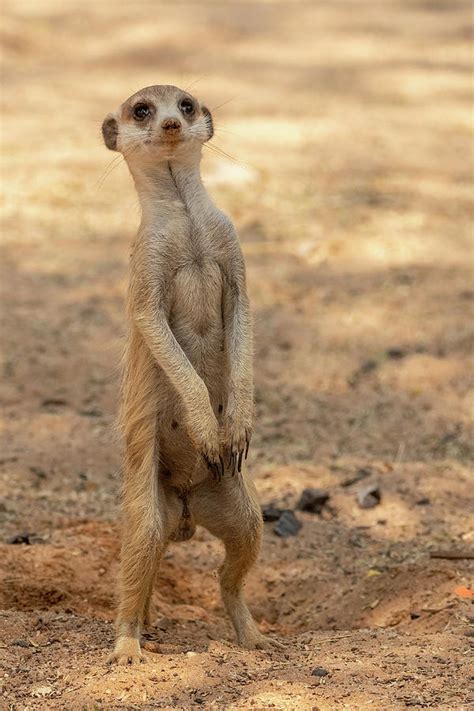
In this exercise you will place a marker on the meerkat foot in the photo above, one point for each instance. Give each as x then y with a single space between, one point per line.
257 640
252 638
127 651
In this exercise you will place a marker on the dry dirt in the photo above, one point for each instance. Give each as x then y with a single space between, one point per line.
350 124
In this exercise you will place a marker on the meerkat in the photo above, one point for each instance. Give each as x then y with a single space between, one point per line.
187 388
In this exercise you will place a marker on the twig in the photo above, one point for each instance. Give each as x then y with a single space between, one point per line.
434 610
335 639
453 555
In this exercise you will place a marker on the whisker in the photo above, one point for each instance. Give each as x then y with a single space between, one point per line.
204 76
218 151
115 162
218 129
224 103
109 168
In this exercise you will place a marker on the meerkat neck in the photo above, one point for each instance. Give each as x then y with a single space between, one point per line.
160 186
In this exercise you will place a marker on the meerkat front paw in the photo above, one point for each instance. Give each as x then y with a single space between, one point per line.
204 433
127 651
235 441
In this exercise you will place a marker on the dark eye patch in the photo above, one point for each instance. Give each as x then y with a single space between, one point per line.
186 106
141 112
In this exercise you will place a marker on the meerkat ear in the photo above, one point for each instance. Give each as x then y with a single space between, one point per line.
110 131
209 123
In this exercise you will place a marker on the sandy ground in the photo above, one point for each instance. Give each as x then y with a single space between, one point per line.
350 125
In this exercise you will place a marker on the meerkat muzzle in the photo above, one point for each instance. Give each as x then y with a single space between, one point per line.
171 127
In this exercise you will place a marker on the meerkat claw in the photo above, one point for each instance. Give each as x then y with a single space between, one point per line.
247 444
239 464
213 467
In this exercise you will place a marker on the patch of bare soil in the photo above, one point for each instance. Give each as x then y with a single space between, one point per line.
353 201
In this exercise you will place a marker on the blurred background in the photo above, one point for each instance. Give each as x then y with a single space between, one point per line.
348 132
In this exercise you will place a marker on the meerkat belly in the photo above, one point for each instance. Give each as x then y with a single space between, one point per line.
196 322
196 317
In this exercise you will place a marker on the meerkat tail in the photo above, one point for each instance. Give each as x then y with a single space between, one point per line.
142 528
139 401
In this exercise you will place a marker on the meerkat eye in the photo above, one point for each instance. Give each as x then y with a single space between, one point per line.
140 112
186 106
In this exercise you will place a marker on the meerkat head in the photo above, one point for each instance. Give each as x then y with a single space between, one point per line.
158 123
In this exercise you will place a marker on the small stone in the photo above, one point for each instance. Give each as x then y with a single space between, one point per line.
42 691
270 512
164 624
312 500
91 412
319 671
54 402
19 538
396 353
369 497
415 615
287 525
424 501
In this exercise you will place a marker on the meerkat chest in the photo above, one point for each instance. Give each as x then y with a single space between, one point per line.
196 306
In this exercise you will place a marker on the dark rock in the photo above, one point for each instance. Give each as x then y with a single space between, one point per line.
19 538
423 501
54 402
367 367
415 615
319 671
287 525
270 512
164 624
312 500
92 412
396 353
369 497
37 471
25 538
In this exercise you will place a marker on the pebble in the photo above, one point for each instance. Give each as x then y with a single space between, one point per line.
319 671
287 525
312 500
369 497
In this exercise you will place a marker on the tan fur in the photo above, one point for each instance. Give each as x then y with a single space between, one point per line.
187 391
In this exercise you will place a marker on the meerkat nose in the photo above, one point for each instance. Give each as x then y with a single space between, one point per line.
171 125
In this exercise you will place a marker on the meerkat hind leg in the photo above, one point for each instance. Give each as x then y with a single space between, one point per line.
140 557
143 544
230 512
